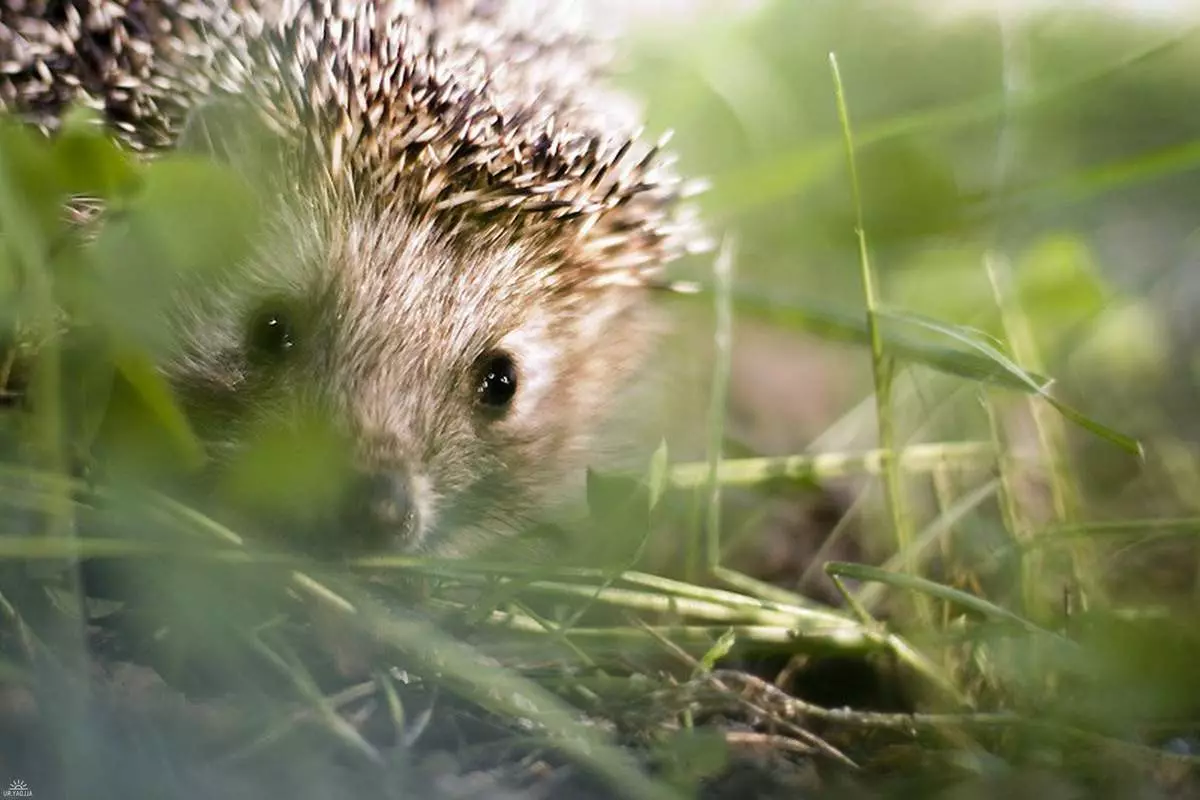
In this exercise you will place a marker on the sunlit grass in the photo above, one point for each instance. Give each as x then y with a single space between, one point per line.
982 480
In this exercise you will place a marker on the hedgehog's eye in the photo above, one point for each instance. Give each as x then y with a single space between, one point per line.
272 334
497 381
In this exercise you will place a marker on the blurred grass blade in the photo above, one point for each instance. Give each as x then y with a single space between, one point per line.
934 533
845 326
723 271
863 572
973 340
658 477
820 467
1086 184
504 692
1148 528
1033 385
785 174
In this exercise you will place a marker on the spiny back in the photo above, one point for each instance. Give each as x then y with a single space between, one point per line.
467 109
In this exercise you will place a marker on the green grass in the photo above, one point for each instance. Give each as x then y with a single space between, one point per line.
1010 434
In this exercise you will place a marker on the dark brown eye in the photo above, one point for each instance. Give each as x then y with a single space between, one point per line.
497 381
272 334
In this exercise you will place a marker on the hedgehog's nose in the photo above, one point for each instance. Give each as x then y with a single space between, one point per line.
379 508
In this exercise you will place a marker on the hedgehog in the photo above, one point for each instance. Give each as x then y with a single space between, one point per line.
459 271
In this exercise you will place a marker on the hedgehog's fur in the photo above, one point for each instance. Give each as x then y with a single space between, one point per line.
458 184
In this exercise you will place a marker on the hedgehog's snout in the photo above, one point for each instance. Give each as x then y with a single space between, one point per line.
380 509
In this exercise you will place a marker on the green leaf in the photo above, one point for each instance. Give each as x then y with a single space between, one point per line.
32 191
92 163
187 228
87 393
152 389
719 650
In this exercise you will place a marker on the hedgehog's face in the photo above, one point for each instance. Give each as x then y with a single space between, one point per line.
462 390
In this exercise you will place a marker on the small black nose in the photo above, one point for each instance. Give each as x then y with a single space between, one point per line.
379 508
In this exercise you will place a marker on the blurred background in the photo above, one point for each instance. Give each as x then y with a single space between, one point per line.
1027 173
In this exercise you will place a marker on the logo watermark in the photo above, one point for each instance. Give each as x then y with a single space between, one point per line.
17 788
